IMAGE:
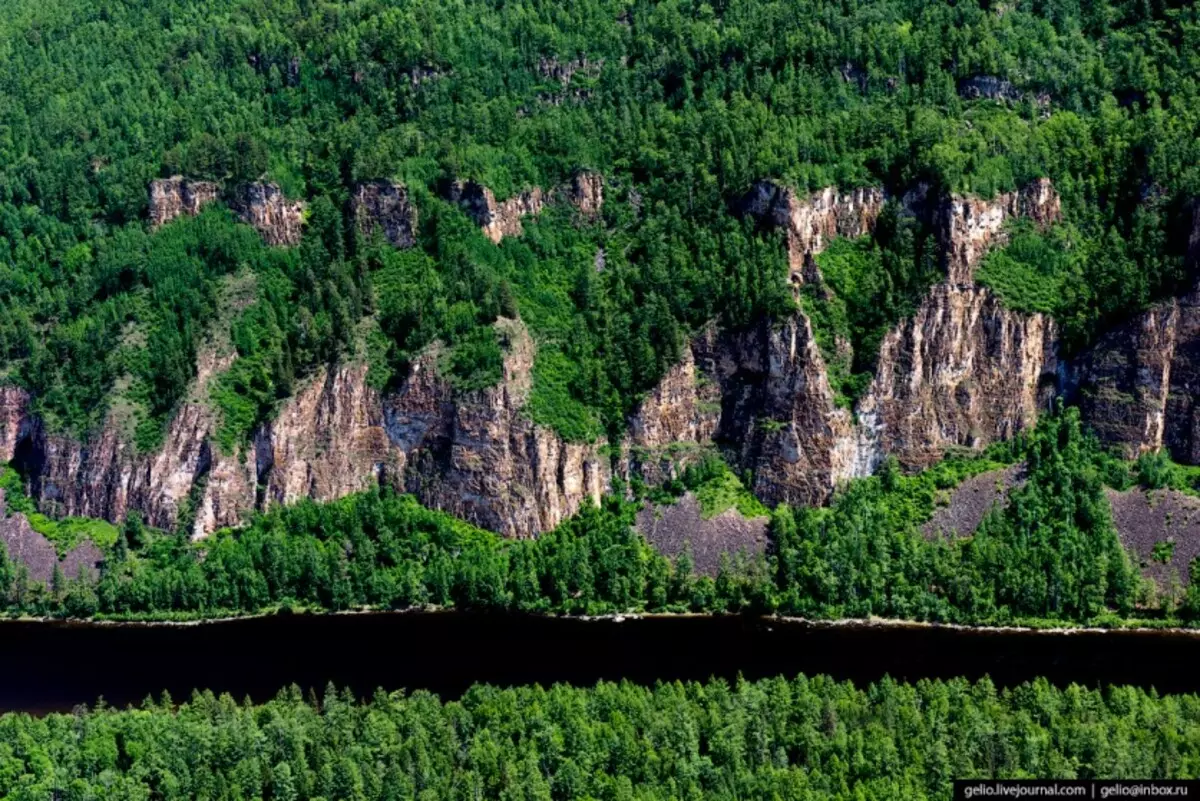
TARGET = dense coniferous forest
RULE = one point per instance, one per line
(799, 738)
(681, 105)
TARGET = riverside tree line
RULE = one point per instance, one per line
(802, 738)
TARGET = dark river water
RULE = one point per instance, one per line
(55, 666)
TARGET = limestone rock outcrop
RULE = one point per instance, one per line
(496, 219)
(475, 454)
(675, 423)
(1137, 386)
(968, 226)
(327, 441)
(779, 417)
(385, 205)
(16, 421)
(264, 206)
(478, 456)
(586, 193)
(106, 477)
(811, 221)
(963, 371)
(176, 196)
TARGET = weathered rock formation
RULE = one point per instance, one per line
(385, 205)
(992, 88)
(105, 477)
(175, 196)
(16, 422)
(811, 221)
(779, 416)
(563, 71)
(327, 441)
(478, 456)
(496, 219)
(1138, 385)
(586, 193)
(675, 424)
(500, 219)
(989, 87)
(963, 371)
(261, 205)
(968, 227)
(264, 206)
(475, 454)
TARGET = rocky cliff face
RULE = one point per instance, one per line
(811, 221)
(779, 415)
(497, 220)
(474, 454)
(586, 193)
(500, 219)
(258, 204)
(1137, 386)
(478, 456)
(106, 477)
(963, 371)
(16, 423)
(172, 197)
(676, 422)
(275, 217)
(385, 206)
(328, 440)
(968, 227)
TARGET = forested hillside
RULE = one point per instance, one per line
(512, 258)
(779, 738)
(681, 106)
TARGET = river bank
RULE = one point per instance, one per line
(58, 665)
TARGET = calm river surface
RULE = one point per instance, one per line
(55, 666)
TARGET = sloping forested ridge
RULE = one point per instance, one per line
(1050, 555)
(681, 106)
(810, 738)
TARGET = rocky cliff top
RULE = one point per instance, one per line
(585, 191)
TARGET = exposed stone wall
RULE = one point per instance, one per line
(1137, 386)
(176, 196)
(385, 205)
(675, 424)
(276, 218)
(497, 220)
(963, 371)
(585, 191)
(968, 226)
(810, 222)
